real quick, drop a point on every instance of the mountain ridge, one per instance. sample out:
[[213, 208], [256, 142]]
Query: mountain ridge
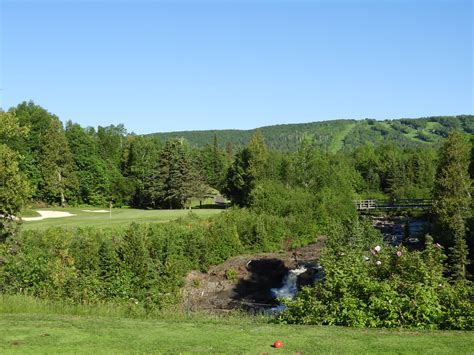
[[335, 135]]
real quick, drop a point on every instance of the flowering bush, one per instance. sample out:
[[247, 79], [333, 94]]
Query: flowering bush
[[389, 288]]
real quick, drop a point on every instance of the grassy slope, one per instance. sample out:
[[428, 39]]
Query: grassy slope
[[46, 333], [288, 137], [119, 217], [338, 139]]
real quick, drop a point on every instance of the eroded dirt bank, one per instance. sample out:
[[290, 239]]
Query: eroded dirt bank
[[244, 282]]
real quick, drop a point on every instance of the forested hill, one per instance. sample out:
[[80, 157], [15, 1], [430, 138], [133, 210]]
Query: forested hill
[[338, 134]]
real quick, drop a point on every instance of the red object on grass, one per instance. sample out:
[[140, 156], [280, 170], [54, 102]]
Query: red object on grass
[[277, 344]]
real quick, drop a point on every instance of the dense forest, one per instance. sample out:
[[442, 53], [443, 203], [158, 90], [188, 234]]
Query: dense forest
[[84, 165], [337, 135], [281, 199]]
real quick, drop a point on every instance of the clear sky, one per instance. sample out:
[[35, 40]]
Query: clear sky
[[180, 65]]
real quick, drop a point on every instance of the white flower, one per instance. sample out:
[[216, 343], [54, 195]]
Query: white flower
[[378, 262], [377, 248]]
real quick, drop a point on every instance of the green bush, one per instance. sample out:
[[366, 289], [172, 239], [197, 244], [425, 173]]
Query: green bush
[[390, 288], [144, 263]]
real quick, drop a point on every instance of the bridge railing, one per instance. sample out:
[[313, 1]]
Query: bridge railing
[[365, 204], [386, 204]]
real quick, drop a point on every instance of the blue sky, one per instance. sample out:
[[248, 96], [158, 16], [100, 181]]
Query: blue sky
[[181, 65]]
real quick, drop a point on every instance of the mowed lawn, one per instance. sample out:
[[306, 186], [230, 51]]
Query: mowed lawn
[[49, 333], [120, 216]]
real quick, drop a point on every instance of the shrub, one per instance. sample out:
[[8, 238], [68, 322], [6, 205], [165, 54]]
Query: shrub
[[390, 288]]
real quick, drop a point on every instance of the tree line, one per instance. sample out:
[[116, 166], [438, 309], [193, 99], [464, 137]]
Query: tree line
[[77, 165]]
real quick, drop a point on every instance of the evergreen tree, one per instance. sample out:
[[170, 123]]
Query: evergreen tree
[[217, 166], [211, 161], [249, 166], [470, 234], [239, 183], [258, 156], [229, 152], [452, 199], [173, 181]]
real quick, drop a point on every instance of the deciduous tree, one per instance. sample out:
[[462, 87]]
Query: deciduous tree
[[57, 166], [14, 188]]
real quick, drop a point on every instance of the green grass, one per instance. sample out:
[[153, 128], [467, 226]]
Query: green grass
[[36, 330], [46, 333], [30, 213], [337, 141], [412, 134], [120, 216]]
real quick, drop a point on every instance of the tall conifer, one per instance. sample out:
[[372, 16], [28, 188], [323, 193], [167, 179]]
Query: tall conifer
[[452, 200]]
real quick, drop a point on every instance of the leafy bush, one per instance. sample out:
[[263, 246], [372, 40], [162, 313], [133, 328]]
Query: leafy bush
[[275, 198], [388, 288], [144, 263]]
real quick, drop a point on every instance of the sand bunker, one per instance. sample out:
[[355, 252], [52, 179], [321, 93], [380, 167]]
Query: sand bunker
[[49, 214], [96, 211]]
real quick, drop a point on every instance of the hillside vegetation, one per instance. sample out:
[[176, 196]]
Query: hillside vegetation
[[338, 134]]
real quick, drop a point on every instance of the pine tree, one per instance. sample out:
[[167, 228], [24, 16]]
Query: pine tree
[[459, 257], [249, 166], [173, 182], [217, 166], [211, 161], [258, 156], [452, 200], [239, 182]]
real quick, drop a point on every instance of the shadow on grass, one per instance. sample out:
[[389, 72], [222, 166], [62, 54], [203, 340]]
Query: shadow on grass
[[211, 206]]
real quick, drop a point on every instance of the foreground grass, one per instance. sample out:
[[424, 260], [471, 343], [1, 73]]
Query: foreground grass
[[38, 331], [120, 216], [46, 333]]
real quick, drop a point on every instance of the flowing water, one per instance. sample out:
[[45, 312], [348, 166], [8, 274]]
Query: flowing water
[[288, 289]]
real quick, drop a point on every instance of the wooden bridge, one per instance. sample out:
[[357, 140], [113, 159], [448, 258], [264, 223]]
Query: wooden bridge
[[362, 205]]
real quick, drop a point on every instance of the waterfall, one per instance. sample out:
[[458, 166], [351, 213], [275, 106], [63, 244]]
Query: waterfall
[[288, 289]]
